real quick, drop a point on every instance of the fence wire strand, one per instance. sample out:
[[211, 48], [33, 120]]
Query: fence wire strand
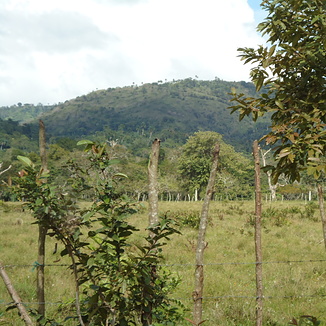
[[35, 264], [183, 299]]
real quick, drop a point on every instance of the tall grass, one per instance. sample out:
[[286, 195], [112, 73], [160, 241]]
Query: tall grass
[[291, 232]]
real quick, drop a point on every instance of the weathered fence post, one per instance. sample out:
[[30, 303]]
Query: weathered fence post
[[147, 317], [322, 210], [152, 183], [201, 244], [258, 242]]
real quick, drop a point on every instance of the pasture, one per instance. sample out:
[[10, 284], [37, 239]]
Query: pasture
[[294, 272]]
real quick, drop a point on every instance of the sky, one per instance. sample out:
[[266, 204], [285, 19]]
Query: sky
[[55, 50]]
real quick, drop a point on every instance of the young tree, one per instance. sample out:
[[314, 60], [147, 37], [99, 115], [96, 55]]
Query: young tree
[[114, 284], [195, 160]]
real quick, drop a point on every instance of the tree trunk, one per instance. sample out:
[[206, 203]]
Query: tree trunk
[[201, 244], [258, 242], [15, 297], [322, 210], [42, 231]]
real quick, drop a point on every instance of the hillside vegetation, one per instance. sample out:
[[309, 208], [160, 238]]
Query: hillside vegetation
[[23, 112], [170, 111]]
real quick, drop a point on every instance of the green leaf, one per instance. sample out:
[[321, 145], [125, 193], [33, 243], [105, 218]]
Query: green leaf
[[279, 104], [39, 201], [91, 261], [284, 152], [94, 287], [120, 175], [25, 160], [87, 216], [259, 83], [272, 50], [85, 142], [113, 161]]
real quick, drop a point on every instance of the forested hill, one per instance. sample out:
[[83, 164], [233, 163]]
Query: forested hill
[[170, 111], [23, 112]]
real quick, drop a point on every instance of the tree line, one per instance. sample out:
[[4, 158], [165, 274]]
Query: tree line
[[183, 170]]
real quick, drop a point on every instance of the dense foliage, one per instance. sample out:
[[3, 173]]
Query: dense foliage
[[292, 69], [235, 177]]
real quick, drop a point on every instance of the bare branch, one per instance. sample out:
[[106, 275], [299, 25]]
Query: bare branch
[[7, 169]]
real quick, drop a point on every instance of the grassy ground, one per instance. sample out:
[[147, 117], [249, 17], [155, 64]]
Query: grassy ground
[[292, 236]]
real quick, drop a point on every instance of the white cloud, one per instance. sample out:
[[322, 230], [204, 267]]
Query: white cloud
[[57, 49]]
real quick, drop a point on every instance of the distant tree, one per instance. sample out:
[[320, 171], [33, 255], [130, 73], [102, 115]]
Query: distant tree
[[195, 162], [67, 143]]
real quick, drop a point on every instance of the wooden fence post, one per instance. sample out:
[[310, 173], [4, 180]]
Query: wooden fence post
[[258, 242], [147, 316], [322, 210], [152, 183]]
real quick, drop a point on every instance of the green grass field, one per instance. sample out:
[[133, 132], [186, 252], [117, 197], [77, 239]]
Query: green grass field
[[294, 276]]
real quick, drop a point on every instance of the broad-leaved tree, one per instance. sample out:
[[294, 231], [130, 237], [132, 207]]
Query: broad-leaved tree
[[291, 73]]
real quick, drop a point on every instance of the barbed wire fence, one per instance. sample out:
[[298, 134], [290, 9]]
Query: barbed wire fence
[[217, 297]]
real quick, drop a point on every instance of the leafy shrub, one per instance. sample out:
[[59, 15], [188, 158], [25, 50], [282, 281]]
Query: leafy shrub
[[309, 211], [115, 284], [187, 218], [234, 209], [305, 320], [277, 217], [294, 210]]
